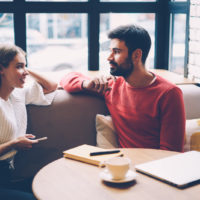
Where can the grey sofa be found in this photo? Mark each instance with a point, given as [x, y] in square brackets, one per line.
[70, 121]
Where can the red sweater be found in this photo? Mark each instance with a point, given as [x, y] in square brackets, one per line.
[149, 117]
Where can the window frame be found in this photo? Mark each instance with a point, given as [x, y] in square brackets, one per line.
[161, 8]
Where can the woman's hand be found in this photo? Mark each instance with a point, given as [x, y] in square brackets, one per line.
[47, 84]
[20, 143]
[24, 142]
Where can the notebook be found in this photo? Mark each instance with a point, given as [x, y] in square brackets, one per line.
[82, 153]
[181, 170]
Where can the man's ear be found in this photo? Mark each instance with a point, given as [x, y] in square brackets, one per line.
[137, 55]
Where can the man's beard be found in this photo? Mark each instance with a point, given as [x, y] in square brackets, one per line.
[125, 69]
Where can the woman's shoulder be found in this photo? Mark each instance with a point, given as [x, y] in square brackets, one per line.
[18, 94]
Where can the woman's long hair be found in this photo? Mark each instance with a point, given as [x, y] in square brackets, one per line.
[7, 54]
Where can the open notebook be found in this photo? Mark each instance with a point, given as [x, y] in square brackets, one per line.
[181, 170]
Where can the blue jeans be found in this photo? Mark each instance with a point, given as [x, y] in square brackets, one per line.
[8, 190]
[11, 194]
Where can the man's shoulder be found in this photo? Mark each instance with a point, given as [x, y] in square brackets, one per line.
[167, 88]
[118, 81]
[165, 84]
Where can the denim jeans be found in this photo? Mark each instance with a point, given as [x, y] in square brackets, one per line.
[9, 191]
[5, 172]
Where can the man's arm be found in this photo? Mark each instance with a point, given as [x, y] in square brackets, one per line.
[172, 129]
[22, 142]
[72, 82]
[75, 82]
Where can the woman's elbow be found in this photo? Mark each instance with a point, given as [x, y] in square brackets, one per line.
[52, 87]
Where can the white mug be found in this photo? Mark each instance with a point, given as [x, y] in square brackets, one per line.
[118, 167]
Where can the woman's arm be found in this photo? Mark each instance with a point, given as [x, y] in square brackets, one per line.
[6, 147]
[47, 84]
[23, 142]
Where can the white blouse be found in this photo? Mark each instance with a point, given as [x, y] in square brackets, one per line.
[13, 115]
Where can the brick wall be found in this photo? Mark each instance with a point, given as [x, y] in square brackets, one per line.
[194, 41]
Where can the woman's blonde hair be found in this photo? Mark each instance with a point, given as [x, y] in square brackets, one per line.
[8, 52]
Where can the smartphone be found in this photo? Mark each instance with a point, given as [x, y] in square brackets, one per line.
[42, 138]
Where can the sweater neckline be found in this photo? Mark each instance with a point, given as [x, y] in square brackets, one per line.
[151, 83]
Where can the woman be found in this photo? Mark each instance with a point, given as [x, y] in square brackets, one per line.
[14, 96]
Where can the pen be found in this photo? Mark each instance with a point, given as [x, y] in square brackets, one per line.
[103, 152]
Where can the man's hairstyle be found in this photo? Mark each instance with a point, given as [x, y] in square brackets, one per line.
[135, 37]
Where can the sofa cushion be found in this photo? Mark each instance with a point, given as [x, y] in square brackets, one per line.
[192, 141]
[106, 137]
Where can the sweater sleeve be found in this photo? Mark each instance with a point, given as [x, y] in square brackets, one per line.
[172, 116]
[34, 95]
[72, 82]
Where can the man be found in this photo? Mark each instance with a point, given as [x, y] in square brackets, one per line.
[147, 110]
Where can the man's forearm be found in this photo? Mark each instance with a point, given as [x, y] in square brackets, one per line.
[72, 82]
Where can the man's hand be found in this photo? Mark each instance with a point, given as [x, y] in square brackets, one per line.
[25, 142]
[98, 84]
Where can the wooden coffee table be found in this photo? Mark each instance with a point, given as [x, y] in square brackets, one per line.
[66, 179]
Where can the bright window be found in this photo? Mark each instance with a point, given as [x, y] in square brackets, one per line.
[60, 34]
[177, 55]
[127, 0]
[57, 41]
[57, 0]
[6, 28]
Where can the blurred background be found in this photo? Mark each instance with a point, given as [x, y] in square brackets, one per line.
[58, 41]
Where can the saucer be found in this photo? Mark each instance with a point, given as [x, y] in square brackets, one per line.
[106, 176]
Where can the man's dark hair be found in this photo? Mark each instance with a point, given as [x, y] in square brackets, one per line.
[135, 37]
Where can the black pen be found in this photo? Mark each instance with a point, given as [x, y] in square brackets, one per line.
[103, 152]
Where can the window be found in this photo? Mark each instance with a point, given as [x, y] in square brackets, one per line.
[178, 36]
[126, 0]
[57, 41]
[60, 34]
[58, 0]
[6, 28]
[178, 0]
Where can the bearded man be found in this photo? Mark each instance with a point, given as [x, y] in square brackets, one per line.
[147, 110]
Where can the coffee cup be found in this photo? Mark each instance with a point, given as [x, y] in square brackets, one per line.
[118, 167]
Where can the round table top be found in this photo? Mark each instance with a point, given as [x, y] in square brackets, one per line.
[69, 179]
